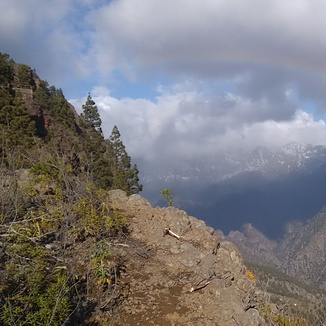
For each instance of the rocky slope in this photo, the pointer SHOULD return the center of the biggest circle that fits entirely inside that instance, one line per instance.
(292, 270)
(301, 253)
(255, 246)
(179, 272)
(165, 268)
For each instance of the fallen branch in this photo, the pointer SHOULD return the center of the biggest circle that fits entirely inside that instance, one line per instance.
(121, 244)
(168, 231)
(199, 287)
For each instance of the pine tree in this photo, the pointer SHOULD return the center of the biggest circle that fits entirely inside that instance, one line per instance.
(6, 69)
(133, 180)
(99, 154)
(91, 115)
(24, 75)
(125, 176)
(16, 127)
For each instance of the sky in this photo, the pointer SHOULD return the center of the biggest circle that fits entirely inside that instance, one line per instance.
(181, 78)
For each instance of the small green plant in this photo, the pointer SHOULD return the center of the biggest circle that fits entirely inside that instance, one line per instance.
(101, 264)
(31, 294)
(166, 193)
(95, 216)
(273, 318)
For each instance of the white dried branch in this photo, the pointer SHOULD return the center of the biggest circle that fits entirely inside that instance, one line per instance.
(199, 287)
(168, 231)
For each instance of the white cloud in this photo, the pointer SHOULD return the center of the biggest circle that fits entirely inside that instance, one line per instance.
(258, 46)
(47, 35)
(301, 128)
(230, 73)
(188, 125)
(192, 35)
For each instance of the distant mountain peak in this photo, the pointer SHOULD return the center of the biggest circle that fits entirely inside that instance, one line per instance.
(268, 187)
(271, 162)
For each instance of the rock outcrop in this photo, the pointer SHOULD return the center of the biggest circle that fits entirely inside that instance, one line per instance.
(178, 272)
(304, 251)
(300, 254)
(255, 246)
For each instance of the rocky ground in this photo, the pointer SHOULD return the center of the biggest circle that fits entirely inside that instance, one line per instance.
(178, 272)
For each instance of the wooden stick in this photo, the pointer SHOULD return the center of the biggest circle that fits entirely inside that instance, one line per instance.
(168, 231)
(199, 287)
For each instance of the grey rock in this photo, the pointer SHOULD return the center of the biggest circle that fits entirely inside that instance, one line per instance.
(195, 278)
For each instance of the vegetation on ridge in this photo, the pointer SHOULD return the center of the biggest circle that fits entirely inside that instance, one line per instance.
(58, 225)
(34, 115)
(56, 170)
(295, 302)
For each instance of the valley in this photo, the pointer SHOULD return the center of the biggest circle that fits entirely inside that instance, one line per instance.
(268, 188)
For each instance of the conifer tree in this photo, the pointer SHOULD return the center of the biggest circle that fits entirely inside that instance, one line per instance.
(24, 75)
(16, 127)
(125, 176)
(91, 114)
(98, 152)
(6, 69)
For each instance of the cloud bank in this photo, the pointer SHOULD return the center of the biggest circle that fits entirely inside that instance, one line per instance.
(187, 125)
(182, 78)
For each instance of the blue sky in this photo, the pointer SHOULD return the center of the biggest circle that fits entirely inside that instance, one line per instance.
(201, 75)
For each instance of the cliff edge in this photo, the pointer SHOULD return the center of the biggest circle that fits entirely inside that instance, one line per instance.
(178, 272)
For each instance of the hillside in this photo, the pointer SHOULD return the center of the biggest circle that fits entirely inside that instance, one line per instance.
(291, 297)
(304, 251)
(300, 253)
(103, 257)
(74, 253)
(38, 125)
(292, 268)
(79, 246)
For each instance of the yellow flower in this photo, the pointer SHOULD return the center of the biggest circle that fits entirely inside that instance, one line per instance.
(251, 275)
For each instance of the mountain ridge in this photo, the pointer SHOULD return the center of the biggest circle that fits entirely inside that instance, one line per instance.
(301, 253)
(265, 187)
(78, 252)
(292, 157)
